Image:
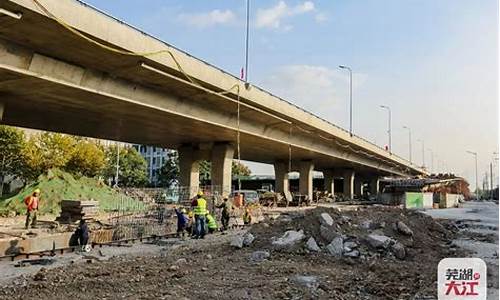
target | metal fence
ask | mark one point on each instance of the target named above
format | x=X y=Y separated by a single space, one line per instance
x=148 y=212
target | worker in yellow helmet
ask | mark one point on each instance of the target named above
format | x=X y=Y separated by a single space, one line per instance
x=32 y=202
x=199 y=205
x=211 y=223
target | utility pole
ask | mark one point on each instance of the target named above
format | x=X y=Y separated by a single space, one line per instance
x=491 y=180
x=389 y=126
x=477 y=186
x=246 y=41
x=117 y=163
x=350 y=96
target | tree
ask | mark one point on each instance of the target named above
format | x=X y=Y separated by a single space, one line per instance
x=239 y=169
x=46 y=151
x=169 y=172
x=132 y=167
x=88 y=159
x=11 y=153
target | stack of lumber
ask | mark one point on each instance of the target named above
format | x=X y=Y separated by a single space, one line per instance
x=75 y=210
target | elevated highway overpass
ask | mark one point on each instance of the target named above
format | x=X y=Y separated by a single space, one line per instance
x=68 y=67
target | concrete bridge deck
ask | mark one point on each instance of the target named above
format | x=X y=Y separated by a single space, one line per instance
x=54 y=79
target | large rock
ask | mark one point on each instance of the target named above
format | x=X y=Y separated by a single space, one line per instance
x=366 y=224
x=351 y=245
x=379 y=241
x=290 y=238
x=353 y=253
x=336 y=247
x=259 y=256
x=328 y=233
x=404 y=229
x=399 y=250
x=306 y=281
x=248 y=238
x=325 y=219
x=237 y=242
x=312 y=245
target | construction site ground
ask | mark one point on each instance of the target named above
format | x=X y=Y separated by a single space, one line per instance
x=212 y=269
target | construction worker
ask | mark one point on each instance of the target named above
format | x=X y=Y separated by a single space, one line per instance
x=32 y=202
x=225 y=215
x=182 y=222
x=190 y=225
x=211 y=223
x=82 y=232
x=247 y=217
x=199 y=205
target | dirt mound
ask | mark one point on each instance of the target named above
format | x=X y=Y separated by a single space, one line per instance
x=58 y=185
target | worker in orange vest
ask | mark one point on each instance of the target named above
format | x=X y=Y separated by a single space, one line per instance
x=32 y=202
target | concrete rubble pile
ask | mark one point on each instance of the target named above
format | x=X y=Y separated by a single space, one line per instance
x=355 y=235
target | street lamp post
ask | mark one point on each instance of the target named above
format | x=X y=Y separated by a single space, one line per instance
x=423 y=153
x=475 y=157
x=350 y=96
x=389 y=128
x=409 y=139
x=432 y=160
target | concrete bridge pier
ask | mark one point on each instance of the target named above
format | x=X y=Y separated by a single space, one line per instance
x=282 y=183
x=222 y=160
x=306 y=168
x=189 y=169
x=329 y=176
x=348 y=176
x=374 y=185
x=358 y=186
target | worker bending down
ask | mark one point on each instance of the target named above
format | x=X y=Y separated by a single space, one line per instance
x=211 y=223
x=182 y=222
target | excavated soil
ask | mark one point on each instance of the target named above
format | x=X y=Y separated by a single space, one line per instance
x=215 y=270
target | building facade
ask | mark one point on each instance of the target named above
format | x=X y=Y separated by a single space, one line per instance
x=155 y=158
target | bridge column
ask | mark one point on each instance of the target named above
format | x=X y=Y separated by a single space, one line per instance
x=328 y=176
x=222 y=160
x=189 y=170
x=282 y=183
x=348 y=183
x=306 y=168
x=358 y=186
x=374 y=185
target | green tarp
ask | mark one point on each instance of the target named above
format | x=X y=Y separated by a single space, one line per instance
x=414 y=200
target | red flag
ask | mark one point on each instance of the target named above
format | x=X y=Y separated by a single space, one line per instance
x=242 y=73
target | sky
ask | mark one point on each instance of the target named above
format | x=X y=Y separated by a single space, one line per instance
x=434 y=63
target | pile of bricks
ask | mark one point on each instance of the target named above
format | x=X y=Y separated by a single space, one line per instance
x=75 y=210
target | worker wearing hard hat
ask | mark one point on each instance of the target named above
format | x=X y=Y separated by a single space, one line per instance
x=32 y=202
x=211 y=223
x=199 y=205
x=225 y=214
x=182 y=222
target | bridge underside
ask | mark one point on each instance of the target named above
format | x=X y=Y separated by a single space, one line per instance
x=52 y=79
